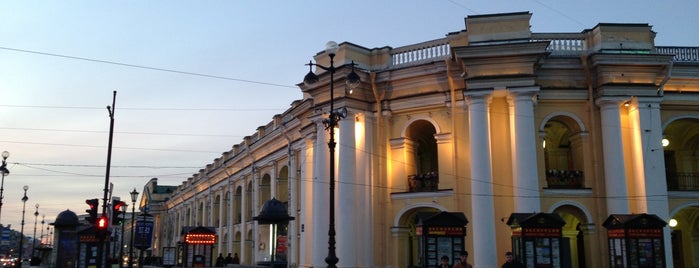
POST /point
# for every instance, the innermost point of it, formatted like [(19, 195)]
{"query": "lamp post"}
[(352, 80), (134, 195), (36, 216), (21, 234), (41, 236), (121, 245), (4, 171)]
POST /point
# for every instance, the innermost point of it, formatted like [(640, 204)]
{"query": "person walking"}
[(463, 263), (511, 262)]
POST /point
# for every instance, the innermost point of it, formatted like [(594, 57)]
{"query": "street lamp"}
[(352, 81), (4, 171), (121, 245), (21, 235), (36, 216), (134, 195)]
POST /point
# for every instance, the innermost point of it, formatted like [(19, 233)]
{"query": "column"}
[(305, 199), (523, 135), (613, 151), (321, 195), (346, 209), (650, 167), (365, 146), (483, 210)]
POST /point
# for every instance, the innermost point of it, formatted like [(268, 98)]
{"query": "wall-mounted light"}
[(672, 223)]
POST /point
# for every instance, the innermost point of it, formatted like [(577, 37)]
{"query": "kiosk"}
[(635, 240), (537, 239), (439, 234), (197, 246)]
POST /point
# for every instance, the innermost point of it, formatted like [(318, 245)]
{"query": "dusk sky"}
[(195, 77)]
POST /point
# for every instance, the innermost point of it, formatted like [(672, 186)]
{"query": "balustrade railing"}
[(682, 54), (564, 179), (427, 182), (420, 53), (682, 181), (560, 44)]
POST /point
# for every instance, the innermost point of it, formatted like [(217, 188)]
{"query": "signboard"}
[(143, 236)]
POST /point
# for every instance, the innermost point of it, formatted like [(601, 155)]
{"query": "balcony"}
[(564, 179), (682, 181), (426, 182)]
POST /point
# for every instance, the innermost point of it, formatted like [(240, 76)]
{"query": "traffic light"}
[(92, 212), (102, 223), (116, 212)]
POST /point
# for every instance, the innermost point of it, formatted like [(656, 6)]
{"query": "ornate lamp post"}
[(36, 216), (134, 195), (352, 80), (4, 171), (21, 235), (121, 245)]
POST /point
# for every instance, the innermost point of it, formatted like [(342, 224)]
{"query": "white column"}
[(321, 195), (346, 209), (613, 151), (523, 135), (483, 209), (292, 180), (650, 130), (364, 145), (305, 200)]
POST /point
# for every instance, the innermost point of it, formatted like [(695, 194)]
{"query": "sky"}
[(195, 77)]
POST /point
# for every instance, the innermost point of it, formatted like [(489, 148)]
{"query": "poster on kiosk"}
[(537, 240)]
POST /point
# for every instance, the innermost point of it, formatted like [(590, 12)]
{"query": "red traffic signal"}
[(92, 211), (116, 212), (102, 223)]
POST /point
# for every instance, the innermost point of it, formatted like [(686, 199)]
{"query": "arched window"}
[(422, 162), (563, 153), (681, 148)]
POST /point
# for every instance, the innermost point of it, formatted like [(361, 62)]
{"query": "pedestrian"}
[(511, 262), (236, 260), (445, 262), (463, 263), (219, 260), (229, 259)]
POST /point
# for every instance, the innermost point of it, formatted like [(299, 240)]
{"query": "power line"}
[(145, 67)]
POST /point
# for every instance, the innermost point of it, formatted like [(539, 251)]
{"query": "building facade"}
[(488, 121)]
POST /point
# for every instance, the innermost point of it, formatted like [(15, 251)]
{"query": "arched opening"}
[(265, 192), (407, 252), (685, 237), (573, 233), (681, 147), (283, 185), (563, 153), (216, 211), (248, 202), (422, 156)]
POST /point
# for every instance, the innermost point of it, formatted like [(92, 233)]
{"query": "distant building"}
[(488, 121)]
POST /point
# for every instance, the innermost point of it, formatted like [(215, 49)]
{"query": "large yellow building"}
[(485, 122)]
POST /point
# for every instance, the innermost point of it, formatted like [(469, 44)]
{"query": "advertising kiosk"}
[(197, 246), (439, 234), (635, 240), (537, 239)]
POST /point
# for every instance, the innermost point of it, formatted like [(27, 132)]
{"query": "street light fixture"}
[(36, 216), (4, 171), (352, 81), (134, 195), (21, 235)]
